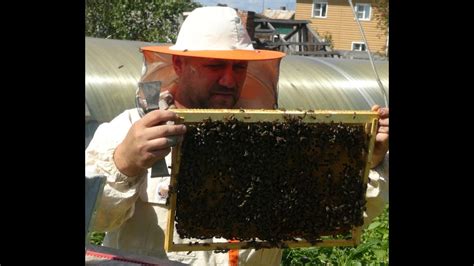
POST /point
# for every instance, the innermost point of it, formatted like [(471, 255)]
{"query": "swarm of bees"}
[(270, 181)]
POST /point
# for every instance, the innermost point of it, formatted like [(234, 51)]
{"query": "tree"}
[(382, 19), (139, 20), (382, 14)]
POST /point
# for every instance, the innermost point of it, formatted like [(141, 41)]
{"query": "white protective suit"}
[(134, 215)]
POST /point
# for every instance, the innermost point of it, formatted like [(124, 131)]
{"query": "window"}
[(358, 46), (320, 8), (363, 11)]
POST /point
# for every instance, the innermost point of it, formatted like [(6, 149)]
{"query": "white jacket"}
[(135, 216)]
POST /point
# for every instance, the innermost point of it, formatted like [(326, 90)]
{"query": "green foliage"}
[(382, 15), (373, 249), (327, 37), (96, 238), (145, 20)]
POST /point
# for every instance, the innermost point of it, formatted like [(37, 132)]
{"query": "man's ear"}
[(178, 64)]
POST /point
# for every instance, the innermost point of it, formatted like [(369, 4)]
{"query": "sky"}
[(251, 5)]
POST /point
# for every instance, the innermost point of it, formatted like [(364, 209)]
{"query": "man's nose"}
[(227, 79)]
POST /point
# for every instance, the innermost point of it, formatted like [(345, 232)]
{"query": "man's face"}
[(209, 83)]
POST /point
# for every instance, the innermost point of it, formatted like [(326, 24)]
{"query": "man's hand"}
[(148, 140), (381, 139)]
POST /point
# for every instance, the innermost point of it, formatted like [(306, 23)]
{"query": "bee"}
[(302, 117)]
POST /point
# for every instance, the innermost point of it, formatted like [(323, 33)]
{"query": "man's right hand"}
[(146, 142)]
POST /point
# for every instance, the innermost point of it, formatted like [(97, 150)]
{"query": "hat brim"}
[(220, 54)]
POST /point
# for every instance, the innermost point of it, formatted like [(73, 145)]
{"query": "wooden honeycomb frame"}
[(370, 119)]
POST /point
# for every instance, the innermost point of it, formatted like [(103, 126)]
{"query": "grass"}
[(96, 238), (373, 249)]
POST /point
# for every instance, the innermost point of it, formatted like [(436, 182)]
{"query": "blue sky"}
[(251, 5)]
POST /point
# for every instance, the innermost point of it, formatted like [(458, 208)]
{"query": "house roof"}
[(278, 14)]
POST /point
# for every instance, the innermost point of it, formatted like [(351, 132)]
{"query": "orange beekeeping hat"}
[(215, 32)]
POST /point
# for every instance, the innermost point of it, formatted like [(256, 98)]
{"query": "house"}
[(334, 21), (277, 30), (275, 19)]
